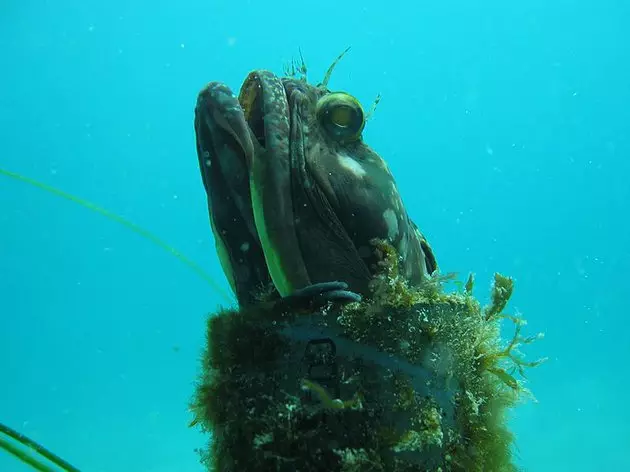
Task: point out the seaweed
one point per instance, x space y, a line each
196 268
31 452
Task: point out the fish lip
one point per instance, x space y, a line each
218 106
219 127
242 117
268 110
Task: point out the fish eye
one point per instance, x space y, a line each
341 115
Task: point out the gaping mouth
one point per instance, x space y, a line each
244 155
251 99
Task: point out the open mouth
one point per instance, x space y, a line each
251 100
248 175
257 120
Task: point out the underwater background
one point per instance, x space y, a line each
506 125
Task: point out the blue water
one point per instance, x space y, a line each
506 125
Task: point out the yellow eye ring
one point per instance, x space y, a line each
341 115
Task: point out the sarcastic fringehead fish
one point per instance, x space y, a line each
294 194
